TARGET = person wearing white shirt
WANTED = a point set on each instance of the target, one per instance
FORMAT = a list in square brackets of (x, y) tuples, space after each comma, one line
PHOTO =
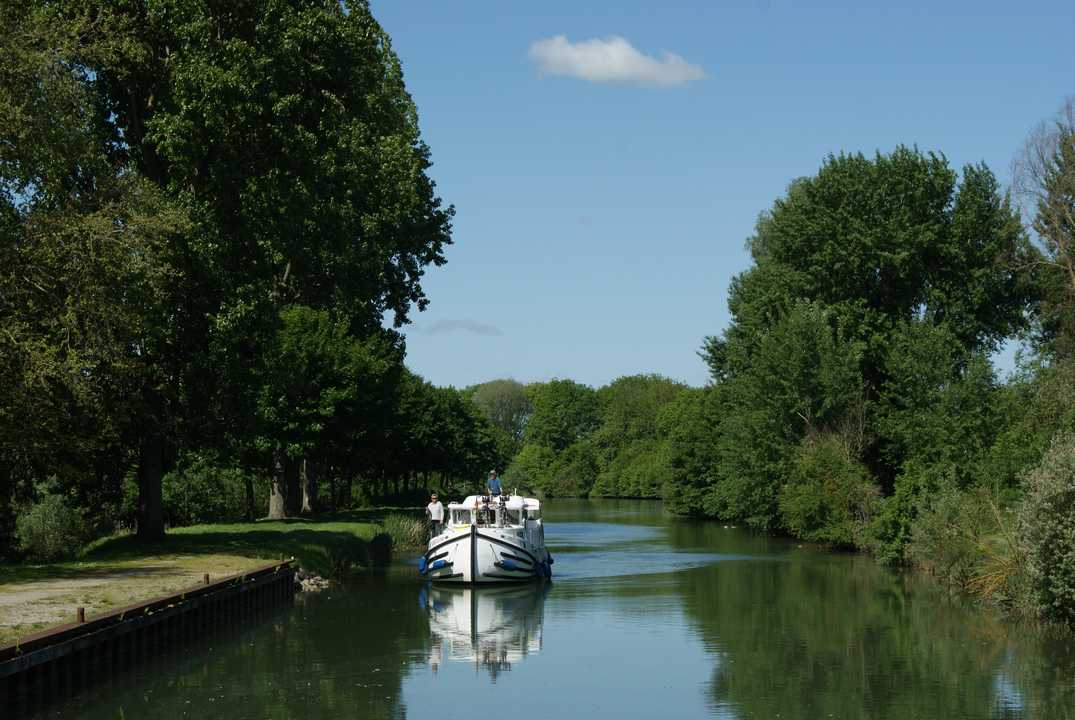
[(435, 515)]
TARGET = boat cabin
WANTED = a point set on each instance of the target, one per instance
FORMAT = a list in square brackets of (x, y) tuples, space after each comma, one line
[(493, 512)]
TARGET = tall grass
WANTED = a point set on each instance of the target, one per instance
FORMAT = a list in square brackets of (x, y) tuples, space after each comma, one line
[(407, 531)]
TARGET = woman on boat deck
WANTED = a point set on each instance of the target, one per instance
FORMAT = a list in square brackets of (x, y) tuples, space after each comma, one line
[(493, 484)]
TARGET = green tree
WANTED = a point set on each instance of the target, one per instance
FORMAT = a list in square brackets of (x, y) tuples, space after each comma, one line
[(565, 412), (864, 275), (283, 131), (507, 406), (1045, 180), (88, 276), (829, 494), (689, 427), (627, 439), (803, 379), (318, 379)]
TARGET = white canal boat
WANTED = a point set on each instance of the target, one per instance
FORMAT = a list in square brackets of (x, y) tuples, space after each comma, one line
[(489, 539)]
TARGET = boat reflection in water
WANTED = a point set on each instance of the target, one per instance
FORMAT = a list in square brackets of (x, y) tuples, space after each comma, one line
[(491, 627)]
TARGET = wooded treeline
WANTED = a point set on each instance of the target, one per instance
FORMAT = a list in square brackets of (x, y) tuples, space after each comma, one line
[(853, 400), (207, 210)]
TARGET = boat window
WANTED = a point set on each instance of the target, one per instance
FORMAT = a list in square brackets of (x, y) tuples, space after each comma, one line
[(511, 517), (533, 514), (461, 517)]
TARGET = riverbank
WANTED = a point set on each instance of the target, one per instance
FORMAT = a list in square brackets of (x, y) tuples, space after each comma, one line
[(117, 571)]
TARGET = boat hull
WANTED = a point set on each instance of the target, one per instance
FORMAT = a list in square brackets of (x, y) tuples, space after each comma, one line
[(478, 555)]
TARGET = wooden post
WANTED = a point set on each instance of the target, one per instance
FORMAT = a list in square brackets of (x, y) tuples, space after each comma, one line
[(81, 614)]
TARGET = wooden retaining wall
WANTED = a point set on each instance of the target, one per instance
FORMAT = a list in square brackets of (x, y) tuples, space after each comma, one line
[(60, 660)]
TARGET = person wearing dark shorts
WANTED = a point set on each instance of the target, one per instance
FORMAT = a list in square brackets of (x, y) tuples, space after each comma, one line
[(435, 516)]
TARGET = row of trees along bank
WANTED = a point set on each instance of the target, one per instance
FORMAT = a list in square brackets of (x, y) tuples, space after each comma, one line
[(205, 212), (853, 400)]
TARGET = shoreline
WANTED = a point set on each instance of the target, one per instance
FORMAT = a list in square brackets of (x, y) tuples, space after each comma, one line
[(117, 571)]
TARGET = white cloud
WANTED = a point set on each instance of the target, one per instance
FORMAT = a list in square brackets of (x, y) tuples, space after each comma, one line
[(611, 60), (450, 326)]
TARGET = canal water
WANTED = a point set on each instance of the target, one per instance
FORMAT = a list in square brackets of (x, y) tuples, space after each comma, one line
[(647, 617)]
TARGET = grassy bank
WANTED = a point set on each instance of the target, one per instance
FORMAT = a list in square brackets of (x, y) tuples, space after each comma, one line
[(118, 571)]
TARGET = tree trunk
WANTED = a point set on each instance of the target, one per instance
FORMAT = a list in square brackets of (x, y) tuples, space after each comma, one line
[(332, 499), (292, 486), (150, 495), (248, 482), (7, 515), (309, 487), (277, 500)]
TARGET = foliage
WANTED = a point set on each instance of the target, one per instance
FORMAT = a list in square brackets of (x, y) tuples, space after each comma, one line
[(965, 539), (627, 441), (506, 405), (205, 212), (1044, 179), (1047, 529), (829, 496), (406, 531), (201, 490), (51, 530), (637, 470), (803, 378), (565, 412), (570, 472), (689, 427), (530, 467), (936, 403)]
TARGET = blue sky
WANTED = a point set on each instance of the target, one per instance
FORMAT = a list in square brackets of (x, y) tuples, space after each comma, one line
[(607, 160)]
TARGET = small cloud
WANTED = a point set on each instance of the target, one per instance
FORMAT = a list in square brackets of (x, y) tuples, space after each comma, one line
[(448, 326), (611, 60)]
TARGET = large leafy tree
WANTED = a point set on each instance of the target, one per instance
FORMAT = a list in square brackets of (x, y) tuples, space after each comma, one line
[(896, 238), (864, 275), (1045, 180), (284, 132), (88, 276), (507, 406)]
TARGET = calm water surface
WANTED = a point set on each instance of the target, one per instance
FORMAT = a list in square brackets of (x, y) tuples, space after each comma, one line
[(647, 617)]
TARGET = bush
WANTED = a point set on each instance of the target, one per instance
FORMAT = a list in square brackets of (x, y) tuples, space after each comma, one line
[(1047, 529), (637, 470), (828, 497), (51, 530), (964, 539), (201, 491), (890, 531)]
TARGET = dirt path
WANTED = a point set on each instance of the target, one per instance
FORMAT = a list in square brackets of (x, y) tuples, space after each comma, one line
[(27, 606)]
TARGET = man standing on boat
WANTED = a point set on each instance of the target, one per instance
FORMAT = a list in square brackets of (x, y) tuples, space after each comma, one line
[(493, 484), (435, 515)]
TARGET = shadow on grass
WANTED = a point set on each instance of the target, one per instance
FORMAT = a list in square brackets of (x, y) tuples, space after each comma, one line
[(70, 571), (329, 545)]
